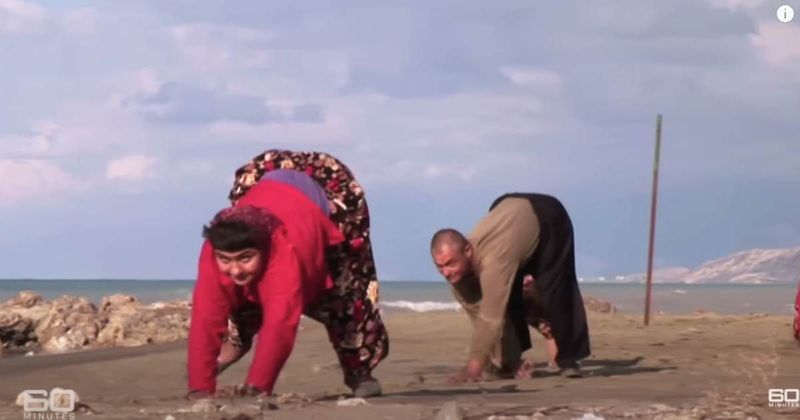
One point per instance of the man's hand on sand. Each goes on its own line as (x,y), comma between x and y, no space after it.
(544,329)
(462,377)
(527,282)
(472,373)
(525,369)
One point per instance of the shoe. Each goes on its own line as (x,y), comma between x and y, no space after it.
(367,388)
(552,369)
(571,370)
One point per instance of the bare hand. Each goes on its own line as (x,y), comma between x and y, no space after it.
(197,394)
(462,377)
(525,369)
(244,390)
(472,373)
(527,282)
(544,329)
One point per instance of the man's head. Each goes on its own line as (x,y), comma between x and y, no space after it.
(452,254)
(240,237)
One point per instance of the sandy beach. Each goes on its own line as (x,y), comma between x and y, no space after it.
(679,367)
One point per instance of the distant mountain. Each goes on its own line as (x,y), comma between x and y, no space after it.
(755,266)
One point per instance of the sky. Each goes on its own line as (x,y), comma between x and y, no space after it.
(122,123)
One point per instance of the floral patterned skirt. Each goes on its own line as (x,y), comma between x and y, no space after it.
(349,310)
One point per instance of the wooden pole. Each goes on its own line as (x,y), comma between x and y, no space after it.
(653,205)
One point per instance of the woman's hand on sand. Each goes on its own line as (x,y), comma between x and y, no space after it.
(197,394)
(243,390)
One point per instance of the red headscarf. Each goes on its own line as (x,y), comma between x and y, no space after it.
(261,221)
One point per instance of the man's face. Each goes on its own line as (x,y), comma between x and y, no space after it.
(241,266)
(454,264)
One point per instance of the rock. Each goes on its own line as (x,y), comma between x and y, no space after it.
(351,402)
(25,299)
(291,397)
(129,323)
(15,329)
(204,405)
(590,416)
(174,304)
(70,324)
(120,302)
(593,304)
(450,411)
(240,416)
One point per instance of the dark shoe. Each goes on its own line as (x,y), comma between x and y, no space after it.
(366,388)
(571,370)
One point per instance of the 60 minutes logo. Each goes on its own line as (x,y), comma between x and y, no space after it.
(784,397)
(59,405)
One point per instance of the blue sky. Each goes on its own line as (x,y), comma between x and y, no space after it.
(121,123)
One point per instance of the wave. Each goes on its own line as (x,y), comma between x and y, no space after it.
(425,306)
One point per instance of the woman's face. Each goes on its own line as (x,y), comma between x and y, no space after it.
(241,266)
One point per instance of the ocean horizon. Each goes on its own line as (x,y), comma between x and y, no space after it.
(431,295)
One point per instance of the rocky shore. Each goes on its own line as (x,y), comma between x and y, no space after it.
(29,323)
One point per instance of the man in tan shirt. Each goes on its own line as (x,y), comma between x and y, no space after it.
(523,234)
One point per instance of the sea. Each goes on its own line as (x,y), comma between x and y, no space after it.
(427,296)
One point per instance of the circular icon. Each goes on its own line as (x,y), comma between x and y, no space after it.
(785,13)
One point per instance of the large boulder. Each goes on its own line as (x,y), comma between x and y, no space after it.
(593,304)
(70,324)
(129,323)
(15,330)
(25,299)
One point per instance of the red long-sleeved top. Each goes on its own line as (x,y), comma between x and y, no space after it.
(295,276)
(797,315)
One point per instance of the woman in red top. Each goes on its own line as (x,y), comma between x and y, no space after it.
(797,315)
(276,254)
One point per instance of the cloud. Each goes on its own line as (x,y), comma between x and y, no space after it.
(532,77)
(27,181)
(737,4)
(779,43)
(434,171)
(185,104)
(40,142)
(20,17)
(181,103)
(283,135)
(82,21)
(131,168)
(221,46)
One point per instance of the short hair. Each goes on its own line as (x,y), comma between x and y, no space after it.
(448,237)
(232,236)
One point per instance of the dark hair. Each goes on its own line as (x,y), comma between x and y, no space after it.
(232,236)
(449,237)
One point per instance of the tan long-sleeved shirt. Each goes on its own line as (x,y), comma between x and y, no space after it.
(504,240)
